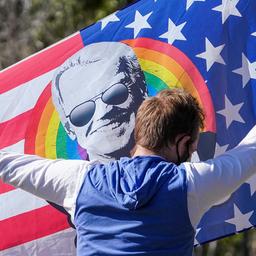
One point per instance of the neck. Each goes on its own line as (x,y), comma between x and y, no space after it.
(164,153)
(141,151)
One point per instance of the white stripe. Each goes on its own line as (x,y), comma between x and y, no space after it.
(61,243)
(17,147)
(24,97)
(43,50)
(18,201)
(17,197)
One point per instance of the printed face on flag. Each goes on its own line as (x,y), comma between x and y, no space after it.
(97,93)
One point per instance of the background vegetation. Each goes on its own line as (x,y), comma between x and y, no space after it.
(27,26)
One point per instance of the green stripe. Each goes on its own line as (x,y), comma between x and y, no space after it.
(155,82)
(61,143)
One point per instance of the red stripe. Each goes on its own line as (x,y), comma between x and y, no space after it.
(13,130)
(19,128)
(30,226)
(5,187)
(40,63)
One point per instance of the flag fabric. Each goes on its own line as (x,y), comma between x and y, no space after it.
(206,47)
(28,225)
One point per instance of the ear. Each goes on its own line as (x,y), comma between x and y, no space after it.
(183,140)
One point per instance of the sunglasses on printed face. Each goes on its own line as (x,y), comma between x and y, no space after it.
(83,113)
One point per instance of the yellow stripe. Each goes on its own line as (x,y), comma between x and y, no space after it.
(42,128)
(169,77)
(51,136)
(161,72)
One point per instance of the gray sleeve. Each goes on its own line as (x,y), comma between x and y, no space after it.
(211,181)
(57,181)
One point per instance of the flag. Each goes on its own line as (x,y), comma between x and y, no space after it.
(28,225)
(205,47)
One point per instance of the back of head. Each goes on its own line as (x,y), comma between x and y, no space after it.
(161,118)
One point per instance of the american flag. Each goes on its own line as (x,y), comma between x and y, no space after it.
(206,47)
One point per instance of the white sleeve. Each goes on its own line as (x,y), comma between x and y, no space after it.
(57,181)
(211,181)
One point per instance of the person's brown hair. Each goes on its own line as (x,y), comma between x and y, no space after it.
(161,118)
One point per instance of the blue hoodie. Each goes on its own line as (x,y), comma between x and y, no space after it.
(134,206)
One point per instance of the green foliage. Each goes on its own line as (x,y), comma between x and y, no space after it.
(60,18)
(242,244)
(27,26)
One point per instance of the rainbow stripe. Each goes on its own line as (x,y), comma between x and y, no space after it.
(164,66)
(46,136)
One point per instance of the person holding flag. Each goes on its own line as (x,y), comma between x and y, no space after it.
(147,204)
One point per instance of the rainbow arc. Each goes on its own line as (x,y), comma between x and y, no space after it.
(164,66)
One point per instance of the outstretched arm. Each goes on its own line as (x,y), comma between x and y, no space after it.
(57,181)
(210,181)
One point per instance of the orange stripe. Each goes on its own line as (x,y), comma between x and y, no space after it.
(170,64)
(42,128)
(189,67)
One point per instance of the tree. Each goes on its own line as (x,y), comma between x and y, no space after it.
(27,26)
(14,31)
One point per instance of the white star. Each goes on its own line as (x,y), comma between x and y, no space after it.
(174,32)
(220,149)
(247,71)
(190,2)
(227,8)
(108,19)
(240,220)
(252,183)
(195,240)
(211,54)
(253,34)
(140,22)
(231,112)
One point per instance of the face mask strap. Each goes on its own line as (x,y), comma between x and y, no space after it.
(186,156)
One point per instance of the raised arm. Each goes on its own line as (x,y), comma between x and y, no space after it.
(56,181)
(211,181)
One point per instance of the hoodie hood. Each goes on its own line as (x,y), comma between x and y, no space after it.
(133,182)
